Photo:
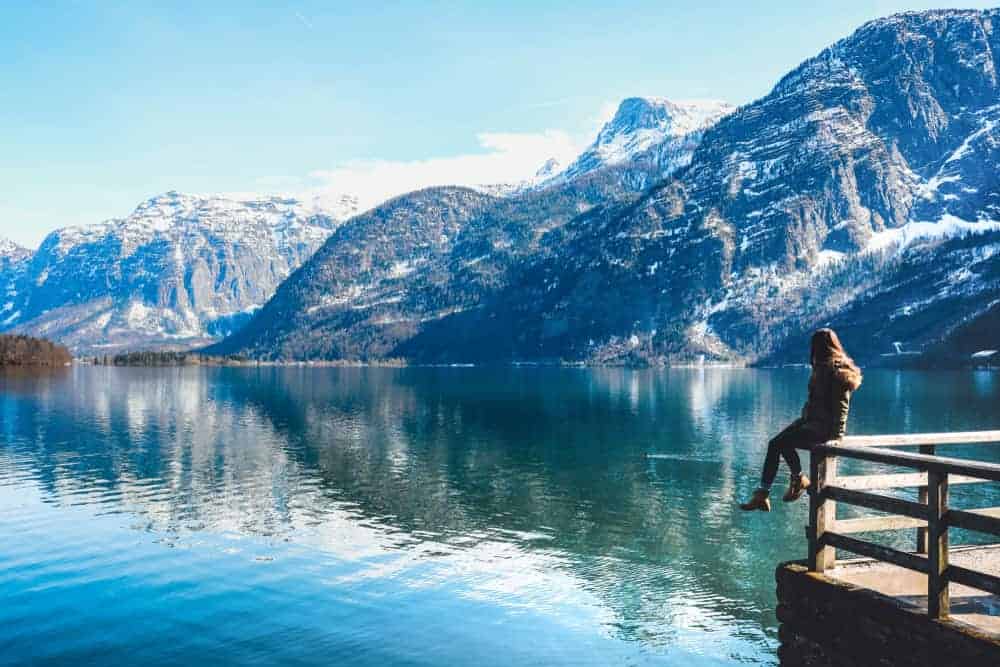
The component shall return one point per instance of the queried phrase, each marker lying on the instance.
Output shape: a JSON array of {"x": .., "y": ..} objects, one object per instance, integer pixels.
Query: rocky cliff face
[
  {"x": 862, "y": 191},
  {"x": 179, "y": 270}
]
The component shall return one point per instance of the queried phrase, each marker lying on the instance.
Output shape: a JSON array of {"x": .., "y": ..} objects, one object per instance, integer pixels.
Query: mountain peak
[
  {"x": 641, "y": 127},
  {"x": 11, "y": 250},
  {"x": 169, "y": 199},
  {"x": 666, "y": 117},
  {"x": 549, "y": 169}
]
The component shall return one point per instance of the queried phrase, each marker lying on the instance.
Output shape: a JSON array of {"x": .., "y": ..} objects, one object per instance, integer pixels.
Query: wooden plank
[
  {"x": 938, "y": 599},
  {"x": 921, "y": 536},
  {"x": 868, "y": 524},
  {"x": 942, "y": 464},
  {"x": 878, "y": 503},
  {"x": 973, "y": 579},
  {"x": 911, "y": 439},
  {"x": 985, "y": 511},
  {"x": 923, "y": 499},
  {"x": 982, "y": 521},
  {"x": 898, "y": 481},
  {"x": 877, "y": 551},
  {"x": 822, "y": 512}
]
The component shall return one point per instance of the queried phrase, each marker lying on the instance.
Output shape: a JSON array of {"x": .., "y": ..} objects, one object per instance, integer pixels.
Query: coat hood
[{"x": 847, "y": 374}]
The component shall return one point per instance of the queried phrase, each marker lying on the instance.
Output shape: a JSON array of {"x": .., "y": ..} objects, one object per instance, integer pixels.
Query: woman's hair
[{"x": 827, "y": 350}]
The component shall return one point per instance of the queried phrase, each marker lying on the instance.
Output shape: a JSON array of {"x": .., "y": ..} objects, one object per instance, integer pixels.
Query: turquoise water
[{"x": 414, "y": 516}]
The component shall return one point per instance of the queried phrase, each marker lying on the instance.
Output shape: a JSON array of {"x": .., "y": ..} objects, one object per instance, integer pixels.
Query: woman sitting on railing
[{"x": 824, "y": 417}]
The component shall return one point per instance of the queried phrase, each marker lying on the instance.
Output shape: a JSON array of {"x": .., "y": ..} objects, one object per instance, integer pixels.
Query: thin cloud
[{"x": 507, "y": 157}]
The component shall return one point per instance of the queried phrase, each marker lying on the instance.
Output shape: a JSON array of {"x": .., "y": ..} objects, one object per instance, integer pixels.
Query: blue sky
[{"x": 106, "y": 104}]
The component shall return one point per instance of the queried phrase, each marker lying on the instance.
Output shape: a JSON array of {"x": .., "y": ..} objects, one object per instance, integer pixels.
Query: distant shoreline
[{"x": 197, "y": 360}]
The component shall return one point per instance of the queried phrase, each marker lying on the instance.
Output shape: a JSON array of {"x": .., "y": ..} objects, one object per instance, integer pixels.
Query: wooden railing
[{"x": 930, "y": 514}]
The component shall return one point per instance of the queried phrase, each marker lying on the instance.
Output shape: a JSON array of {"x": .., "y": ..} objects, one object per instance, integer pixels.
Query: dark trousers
[{"x": 796, "y": 434}]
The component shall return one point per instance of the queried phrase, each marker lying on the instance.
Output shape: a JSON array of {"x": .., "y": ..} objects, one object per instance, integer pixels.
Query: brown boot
[
  {"x": 758, "y": 501},
  {"x": 796, "y": 487}
]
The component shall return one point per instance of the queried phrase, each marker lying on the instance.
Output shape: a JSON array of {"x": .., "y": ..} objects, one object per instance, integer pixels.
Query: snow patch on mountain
[{"x": 948, "y": 227}]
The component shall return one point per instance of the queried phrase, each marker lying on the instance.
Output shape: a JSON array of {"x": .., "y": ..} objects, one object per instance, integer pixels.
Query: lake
[{"x": 411, "y": 516}]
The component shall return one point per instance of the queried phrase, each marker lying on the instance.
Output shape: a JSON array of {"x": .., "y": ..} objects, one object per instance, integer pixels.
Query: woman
[{"x": 824, "y": 417}]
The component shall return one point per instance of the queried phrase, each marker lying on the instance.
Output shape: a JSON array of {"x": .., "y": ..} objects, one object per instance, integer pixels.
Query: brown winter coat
[{"x": 825, "y": 411}]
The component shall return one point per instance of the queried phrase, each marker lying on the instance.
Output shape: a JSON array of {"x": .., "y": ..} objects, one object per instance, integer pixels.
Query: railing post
[
  {"x": 938, "y": 600},
  {"x": 922, "y": 498},
  {"x": 822, "y": 512}
]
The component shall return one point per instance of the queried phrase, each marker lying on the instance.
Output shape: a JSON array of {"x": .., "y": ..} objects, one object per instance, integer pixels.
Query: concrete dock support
[{"x": 825, "y": 622}]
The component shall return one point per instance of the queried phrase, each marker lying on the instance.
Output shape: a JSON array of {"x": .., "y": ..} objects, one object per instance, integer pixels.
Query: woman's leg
[
  {"x": 783, "y": 445},
  {"x": 791, "y": 453}
]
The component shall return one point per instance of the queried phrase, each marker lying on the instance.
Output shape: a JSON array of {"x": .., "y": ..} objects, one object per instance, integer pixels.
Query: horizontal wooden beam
[
  {"x": 973, "y": 579},
  {"x": 908, "y": 439},
  {"x": 878, "y": 503},
  {"x": 982, "y": 520},
  {"x": 869, "y": 524},
  {"x": 897, "y": 481},
  {"x": 876, "y": 551},
  {"x": 943, "y": 464}
]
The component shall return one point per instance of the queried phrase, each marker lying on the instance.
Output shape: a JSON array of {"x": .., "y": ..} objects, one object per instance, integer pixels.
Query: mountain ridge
[{"x": 110, "y": 317}]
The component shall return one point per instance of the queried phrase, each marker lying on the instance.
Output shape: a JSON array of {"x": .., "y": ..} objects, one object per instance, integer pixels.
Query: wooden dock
[{"x": 935, "y": 604}]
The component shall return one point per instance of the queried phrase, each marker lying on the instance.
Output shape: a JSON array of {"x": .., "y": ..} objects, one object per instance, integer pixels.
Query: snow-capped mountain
[
  {"x": 651, "y": 130},
  {"x": 179, "y": 269},
  {"x": 863, "y": 190}
]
